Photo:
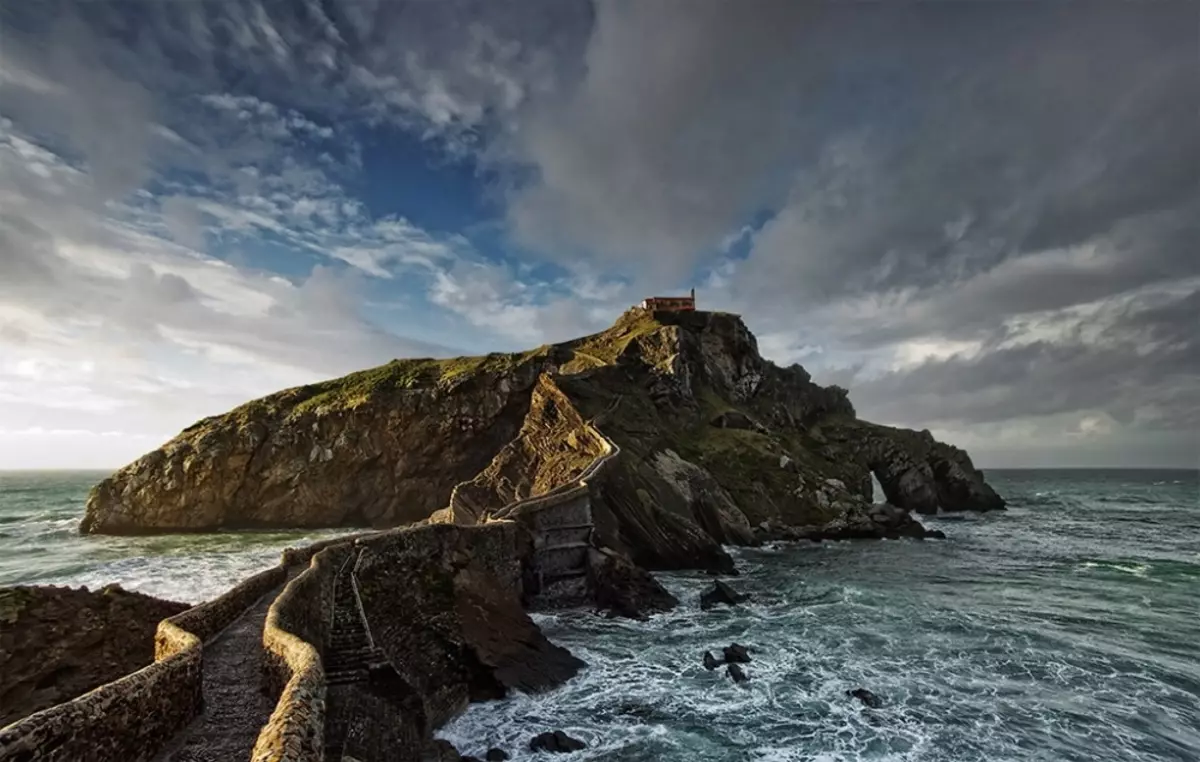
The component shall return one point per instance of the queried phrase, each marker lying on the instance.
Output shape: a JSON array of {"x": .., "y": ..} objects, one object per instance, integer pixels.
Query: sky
[{"x": 983, "y": 218}]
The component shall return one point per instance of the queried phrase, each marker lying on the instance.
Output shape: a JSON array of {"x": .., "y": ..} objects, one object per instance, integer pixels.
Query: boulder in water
[
  {"x": 496, "y": 755},
  {"x": 710, "y": 661},
  {"x": 867, "y": 697},
  {"x": 735, "y": 671},
  {"x": 622, "y": 588},
  {"x": 557, "y": 742},
  {"x": 737, "y": 653},
  {"x": 721, "y": 593}
]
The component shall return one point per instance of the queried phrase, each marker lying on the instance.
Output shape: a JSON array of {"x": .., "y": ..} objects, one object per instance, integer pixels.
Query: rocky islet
[{"x": 716, "y": 446}]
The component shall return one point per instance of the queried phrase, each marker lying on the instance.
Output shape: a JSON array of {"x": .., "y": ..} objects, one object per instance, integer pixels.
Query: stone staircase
[{"x": 349, "y": 655}]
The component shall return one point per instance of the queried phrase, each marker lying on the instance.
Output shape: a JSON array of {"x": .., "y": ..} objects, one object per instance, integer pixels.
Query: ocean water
[
  {"x": 1067, "y": 628},
  {"x": 40, "y": 544}
]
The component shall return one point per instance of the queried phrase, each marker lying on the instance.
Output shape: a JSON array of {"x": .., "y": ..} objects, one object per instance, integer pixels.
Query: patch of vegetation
[
  {"x": 605, "y": 347},
  {"x": 353, "y": 390}
]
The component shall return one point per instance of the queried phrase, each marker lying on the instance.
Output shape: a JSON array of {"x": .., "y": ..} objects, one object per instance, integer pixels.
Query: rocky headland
[
  {"x": 545, "y": 479},
  {"x": 718, "y": 446}
]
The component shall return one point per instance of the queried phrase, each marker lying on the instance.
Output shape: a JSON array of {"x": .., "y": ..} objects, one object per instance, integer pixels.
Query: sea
[{"x": 1065, "y": 628}]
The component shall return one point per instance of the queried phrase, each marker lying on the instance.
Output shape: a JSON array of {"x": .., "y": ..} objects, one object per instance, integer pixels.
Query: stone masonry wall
[
  {"x": 293, "y": 637},
  {"x": 207, "y": 619},
  {"x": 131, "y": 719}
]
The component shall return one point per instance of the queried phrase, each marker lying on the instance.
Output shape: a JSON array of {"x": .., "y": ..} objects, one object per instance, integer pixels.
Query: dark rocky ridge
[
  {"x": 716, "y": 442},
  {"x": 57, "y": 643}
]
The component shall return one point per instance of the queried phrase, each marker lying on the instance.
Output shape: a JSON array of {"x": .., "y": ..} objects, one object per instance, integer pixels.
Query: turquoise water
[
  {"x": 1067, "y": 628},
  {"x": 40, "y": 544}
]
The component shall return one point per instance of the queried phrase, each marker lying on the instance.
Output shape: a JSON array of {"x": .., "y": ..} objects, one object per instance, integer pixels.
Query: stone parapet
[
  {"x": 129, "y": 719},
  {"x": 206, "y": 620},
  {"x": 133, "y": 718},
  {"x": 296, "y": 628}
]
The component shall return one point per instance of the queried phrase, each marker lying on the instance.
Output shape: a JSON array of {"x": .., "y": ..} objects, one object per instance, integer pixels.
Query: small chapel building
[{"x": 670, "y": 303}]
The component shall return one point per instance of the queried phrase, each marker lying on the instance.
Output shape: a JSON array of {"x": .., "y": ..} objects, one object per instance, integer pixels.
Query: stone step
[
  {"x": 564, "y": 574},
  {"x": 346, "y": 678}
]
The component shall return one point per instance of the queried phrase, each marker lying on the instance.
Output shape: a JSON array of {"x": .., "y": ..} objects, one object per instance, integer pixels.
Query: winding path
[{"x": 235, "y": 706}]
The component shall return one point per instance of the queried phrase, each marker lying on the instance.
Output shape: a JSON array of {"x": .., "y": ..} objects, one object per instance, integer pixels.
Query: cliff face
[
  {"x": 715, "y": 441},
  {"x": 377, "y": 448}
]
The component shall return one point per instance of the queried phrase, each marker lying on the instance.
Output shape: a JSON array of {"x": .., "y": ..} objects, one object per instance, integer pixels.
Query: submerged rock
[
  {"x": 721, "y": 593},
  {"x": 737, "y": 654},
  {"x": 495, "y": 755},
  {"x": 866, "y": 697},
  {"x": 441, "y": 750},
  {"x": 557, "y": 742},
  {"x": 735, "y": 672}
]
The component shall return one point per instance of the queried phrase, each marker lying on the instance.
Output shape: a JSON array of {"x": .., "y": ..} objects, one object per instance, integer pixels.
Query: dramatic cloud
[{"x": 983, "y": 218}]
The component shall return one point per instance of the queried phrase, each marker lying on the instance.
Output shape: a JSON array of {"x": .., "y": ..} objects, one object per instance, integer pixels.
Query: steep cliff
[
  {"x": 715, "y": 443},
  {"x": 376, "y": 448}
]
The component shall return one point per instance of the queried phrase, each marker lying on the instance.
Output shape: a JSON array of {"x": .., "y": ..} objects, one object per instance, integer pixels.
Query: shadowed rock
[
  {"x": 624, "y": 589},
  {"x": 735, "y": 671},
  {"x": 866, "y": 697},
  {"x": 737, "y": 654},
  {"x": 556, "y": 742},
  {"x": 57, "y": 643},
  {"x": 721, "y": 593},
  {"x": 710, "y": 661}
]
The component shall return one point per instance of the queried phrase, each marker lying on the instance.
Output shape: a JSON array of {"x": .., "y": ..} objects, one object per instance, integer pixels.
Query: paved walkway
[{"x": 235, "y": 706}]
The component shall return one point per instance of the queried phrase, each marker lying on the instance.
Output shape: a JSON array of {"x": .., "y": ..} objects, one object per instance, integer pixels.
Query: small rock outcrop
[
  {"x": 624, "y": 589},
  {"x": 868, "y": 698},
  {"x": 57, "y": 643},
  {"x": 736, "y": 673},
  {"x": 710, "y": 662},
  {"x": 737, "y": 654},
  {"x": 721, "y": 593},
  {"x": 556, "y": 742}
]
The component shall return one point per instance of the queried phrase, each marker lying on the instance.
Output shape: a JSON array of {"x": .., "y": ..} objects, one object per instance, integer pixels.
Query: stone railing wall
[
  {"x": 132, "y": 718},
  {"x": 206, "y": 620},
  {"x": 128, "y": 719},
  {"x": 463, "y": 510},
  {"x": 296, "y": 628}
]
